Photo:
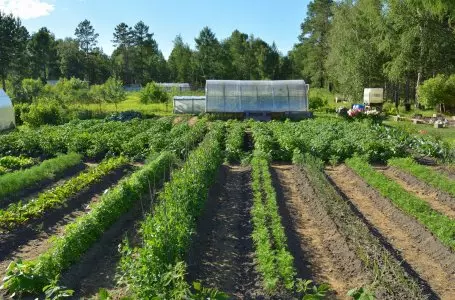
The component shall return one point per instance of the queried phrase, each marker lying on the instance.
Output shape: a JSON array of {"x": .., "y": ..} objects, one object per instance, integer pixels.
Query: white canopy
[{"x": 6, "y": 112}]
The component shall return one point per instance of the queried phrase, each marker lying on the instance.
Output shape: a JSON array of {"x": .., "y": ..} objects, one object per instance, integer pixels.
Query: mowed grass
[
  {"x": 446, "y": 134},
  {"x": 133, "y": 102}
]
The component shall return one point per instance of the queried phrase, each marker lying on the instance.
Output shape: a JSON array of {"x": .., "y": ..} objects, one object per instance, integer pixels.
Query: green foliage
[
  {"x": 438, "y": 91},
  {"x": 440, "y": 225},
  {"x": 361, "y": 294},
  {"x": 156, "y": 269},
  {"x": 275, "y": 263},
  {"x": 426, "y": 174},
  {"x": 336, "y": 139},
  {"x": 153, "y": 93},
  {"x": 32, "y": 276},
  {"x": 113, "y": 91},
  {"x": 71, "y": 90},
  {"x": 44, "y": 112},
  {"x": 31, "y": 89},
  {"x": 18, "y": 213},
  {"x": 14, "y": 163},
  {"x": 234, "y": 141},
  {"x": 16, "y": 181}
]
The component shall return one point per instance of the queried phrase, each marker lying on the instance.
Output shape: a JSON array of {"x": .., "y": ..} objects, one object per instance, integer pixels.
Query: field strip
[
  {"x": 434, "y": 262},
  {"x": 320, "y": 251},
  {"x": 28, "y": 242},
  {"x": 449, "y": 171},
  {"x": 222, "y": 253},
  {"x": 438, "y": 200}
]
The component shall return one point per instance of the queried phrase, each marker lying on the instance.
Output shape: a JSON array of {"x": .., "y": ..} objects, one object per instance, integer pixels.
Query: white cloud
[{"x": 26, "y": 9}]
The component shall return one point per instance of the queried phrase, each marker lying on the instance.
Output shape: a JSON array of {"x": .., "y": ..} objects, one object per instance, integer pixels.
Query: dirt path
[
  {"x": 222, "y": 252},
  {"x": 319, "y": 250},
  {"x": 439, "y": 201},
  {"x": 419, "y": 248},
  {"x": 28, "y": 242}
]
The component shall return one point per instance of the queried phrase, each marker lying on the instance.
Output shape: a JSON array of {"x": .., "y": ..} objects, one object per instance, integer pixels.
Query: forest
[{"x": 344, "y": 46}]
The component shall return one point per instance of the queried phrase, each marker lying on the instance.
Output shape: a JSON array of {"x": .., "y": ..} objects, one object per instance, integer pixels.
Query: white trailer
[{"x": 373, "y": 97}]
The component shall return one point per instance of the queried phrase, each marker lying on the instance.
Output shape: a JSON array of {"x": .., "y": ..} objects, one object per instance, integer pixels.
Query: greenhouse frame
[
  {"x": 189, "y": 104},
  {"x": 243, "y": 96}
]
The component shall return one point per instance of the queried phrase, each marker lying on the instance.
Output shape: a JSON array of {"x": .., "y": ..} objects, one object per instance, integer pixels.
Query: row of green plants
[
  {"x": 334, "y": 140},
  {"x": 275, "y": 263},
  {"x": 439, "y": 224},
  {"x": 156, "y": 270},
  {"x": 91, "y": 138},
  {"x": 436, "y": 179},
  {"x": 234, "y": 140},
  {"x": 265, "y": 142},
  {"x": 17, "y": 181},
  {"x": 186, "y": 136},
  {"x": 19, "y": 213},
  {"x": 23, "y": 277},
  {"x": 13, "y": 163},
  {"x": 388, "y": 278}
]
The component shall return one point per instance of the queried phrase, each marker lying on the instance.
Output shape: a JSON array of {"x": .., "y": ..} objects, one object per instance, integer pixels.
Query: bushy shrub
[
  {"x": 317, "y": 102},
  {"x": 113, "y": 91},
  {"x": 71, "y": 90},
  {"x": 45, "y": 111},
  {"x": 20, "y": 110},
  {"x": 153, "y": 93},
  {"x": 389, "y": 108},
  {"x": 438, "y": 92}
]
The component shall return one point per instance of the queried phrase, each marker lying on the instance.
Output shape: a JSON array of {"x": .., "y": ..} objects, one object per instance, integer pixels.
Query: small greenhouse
[
  {"x": 242, "y": 96},
  {"x": 189, "y": 104},
  {"x": 6, "y": 112},
  {"x": 182, "y": 87}
]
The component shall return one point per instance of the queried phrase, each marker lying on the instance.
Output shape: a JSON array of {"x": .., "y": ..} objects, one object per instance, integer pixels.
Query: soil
[
  {"x": 192, "y": 121},
  {"x": 320, "y": 251},
  {"x": 29, "y": 241},
  {"x": 426, "y": 255},
  {"x": 439, "y": 201},
  {"x": 222, "y": 252},
  {"x": 32, "y": 191},
  {"x": 448, "y": 170}
]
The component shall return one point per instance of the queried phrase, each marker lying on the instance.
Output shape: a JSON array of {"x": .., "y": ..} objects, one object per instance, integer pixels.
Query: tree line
[{"x": 344, "y": 46}]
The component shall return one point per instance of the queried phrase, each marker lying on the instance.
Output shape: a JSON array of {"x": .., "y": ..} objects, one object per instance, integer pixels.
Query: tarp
[{"x": 7, "y": 118}]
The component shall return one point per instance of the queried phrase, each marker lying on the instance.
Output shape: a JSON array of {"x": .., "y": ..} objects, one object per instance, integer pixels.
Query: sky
[{"x": 272, "y": 21}]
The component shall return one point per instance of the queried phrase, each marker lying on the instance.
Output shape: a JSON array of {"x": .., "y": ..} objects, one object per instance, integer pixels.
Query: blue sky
[{"x": 277, "y": 21}]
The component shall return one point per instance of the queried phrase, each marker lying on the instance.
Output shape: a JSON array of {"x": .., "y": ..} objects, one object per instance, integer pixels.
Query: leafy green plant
[
  {"x": 234, "y": 141},
  {"x": 275, "y": 263},
  {"x": 310, "y": 291},
  {"x": 14, "y": 182},
  {"x": 156, "y": 269},
  {"x": 15, "y": 163},
  {"x": 361, "y": 294},
  {"x": 153, "y": 93}
]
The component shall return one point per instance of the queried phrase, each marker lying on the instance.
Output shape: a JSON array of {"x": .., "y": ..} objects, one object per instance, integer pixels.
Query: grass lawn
[
  {"x": 446, "y": 134},
  {"x": 132, "y": 102}
]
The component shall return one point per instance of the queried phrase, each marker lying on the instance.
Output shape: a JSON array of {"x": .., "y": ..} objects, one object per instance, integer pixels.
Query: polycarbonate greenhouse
[
  {"x": 189, "y": 104},
  {"x": 237, "y": 96}
]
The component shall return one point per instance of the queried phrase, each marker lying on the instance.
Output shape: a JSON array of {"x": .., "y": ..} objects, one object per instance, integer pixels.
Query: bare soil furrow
[
  {"x": 320, "y": 251},
  {"x": 419, "y": 248},
  {"x": 439, "y": 201},
  {"x": 222, "y": 255}
]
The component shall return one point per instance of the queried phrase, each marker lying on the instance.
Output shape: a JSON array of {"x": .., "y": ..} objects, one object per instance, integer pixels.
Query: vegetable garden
[{"x": 173, "y": 208}]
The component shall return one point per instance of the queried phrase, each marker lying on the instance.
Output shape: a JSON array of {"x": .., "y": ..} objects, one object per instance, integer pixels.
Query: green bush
[
  {"x": 153, "y": 93},
  {"x": 438, "y": 92},
  {"x": 389, "y": 108},
  {"x": 31, "y": 89},
  {"x": 317, "y": 102},
  {"x": 46, "y": 111}
]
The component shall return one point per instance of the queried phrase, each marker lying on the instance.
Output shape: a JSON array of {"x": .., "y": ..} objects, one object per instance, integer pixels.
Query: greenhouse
[
  {"x": 234, "y": 96},
  {"x": 6, "y": 112},
  {"x": 189, "y": 104},
  {"x": 182, "y": 87}
]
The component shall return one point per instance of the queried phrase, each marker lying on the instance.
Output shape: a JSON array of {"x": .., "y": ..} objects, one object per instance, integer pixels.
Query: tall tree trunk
[{"x": 419, "y": 78}]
